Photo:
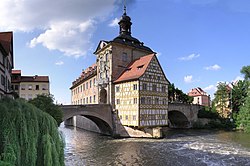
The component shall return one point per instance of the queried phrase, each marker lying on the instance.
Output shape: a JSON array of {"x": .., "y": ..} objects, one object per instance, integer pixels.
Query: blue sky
[{"x": 199, "y": 42}]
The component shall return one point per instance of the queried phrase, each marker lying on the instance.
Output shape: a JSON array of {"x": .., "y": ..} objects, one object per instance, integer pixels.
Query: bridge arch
[
  {"x": 177, "y": 119},
  {"x": 99, "y": 114}
]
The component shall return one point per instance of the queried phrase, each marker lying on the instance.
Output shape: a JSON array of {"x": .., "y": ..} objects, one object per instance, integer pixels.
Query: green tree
[
  {"x": 171, "y": 93},
  {"x": 221, "y": 100},
  {"x": 243, "y": 118},
  {"x": 239, "y": 93},
  {"x": 246, "y": 72},
  {"x": 46, "y": 104},
  {"x": 28, "y": 136},
  {"x": 175, "y": 94}
]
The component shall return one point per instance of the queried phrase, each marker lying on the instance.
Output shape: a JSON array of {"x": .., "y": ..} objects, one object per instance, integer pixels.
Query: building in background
[
  {"x": 6, "y": 62},
  {"x": 28, "y": 87},
  {"x": 84, "y": 89},
  {"x": 200, "y": 97}
]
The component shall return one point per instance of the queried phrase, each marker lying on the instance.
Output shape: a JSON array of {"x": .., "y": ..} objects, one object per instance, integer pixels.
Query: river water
[{"x": 178, "y": 148}]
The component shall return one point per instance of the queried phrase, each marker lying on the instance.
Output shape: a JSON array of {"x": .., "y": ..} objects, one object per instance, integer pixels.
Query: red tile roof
[
  {"x": 136, "y": 69},
  {"x": 6, "y": 40},
  {"x": 35, "y": 79},
  {"x": 86, "y": 74},
  {"x": 16, "y": 72},
  {"x": 197, "y": 92}
]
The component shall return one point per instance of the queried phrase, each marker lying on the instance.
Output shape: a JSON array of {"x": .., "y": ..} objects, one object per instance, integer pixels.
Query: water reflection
[{"x": 179, "y": 148}]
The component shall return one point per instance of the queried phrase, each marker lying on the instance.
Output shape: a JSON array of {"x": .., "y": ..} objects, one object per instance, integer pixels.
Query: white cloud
[
  {"x": 214, "y": 67},
  {"x": 238, "y": 78},
  {"x": 210, "y": 88},
  {"x": 188, "y": 79},
  {"x": 59, "y": 63},
  {"x": 64, "y": 25},
  {"x": 190, "y": 57},
  {"x": 114, "y": 22}
]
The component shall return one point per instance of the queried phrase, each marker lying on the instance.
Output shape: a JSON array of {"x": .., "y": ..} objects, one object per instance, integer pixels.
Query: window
[
  {"x": 163, "y": 88},
  {"x": 140, "y": 67},
  {"x": 156, "y": 100},
  {"x": 22, "y": 87},
  {"x": 144, "y": 86},
  {"x": 2, "y": 80},
  {"x": 87, "y": 100},
  {"x": 90, "y": 99},
  {"x": 117, "y": 89},
  {"x": 83, "y": 100},
  {"x": 44, "y": 87},
  {"x": 135, "y": 100},
  {"x": 30, "y": 87},
  {"x": 124, "y": 57},
  {"x": 94, "y": 81},
  {"x": 164, "y": 101},
  {"x": 117, "y": 101},
  {"x": 16, "y": 87},
  {"x": 94, "y": 99},
  {"x": 90, "y": 83},
  {"x": 142, "y": 100},
  {"x": 87, "y": 85},
  {"x": 120, "y": 116},
  {"x": 149, "y": 100},
  {"x": 126, "y": 117},
  {"x": 134, "y": 117},
  {"x": 135, "y": 86},
  {"x": 154, "y": 87},
  {"x": 83, "y": 87},
  {"x": 37, "y": 87}
]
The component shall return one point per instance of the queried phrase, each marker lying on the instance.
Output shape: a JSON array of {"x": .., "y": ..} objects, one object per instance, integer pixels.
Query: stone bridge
[
  {"x": 100, "y": 114},
  {"x": 182, "y": 115}
]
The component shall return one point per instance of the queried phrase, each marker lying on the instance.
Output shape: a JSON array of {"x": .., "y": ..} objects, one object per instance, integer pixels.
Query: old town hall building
[{"x": 128, "y": 76}]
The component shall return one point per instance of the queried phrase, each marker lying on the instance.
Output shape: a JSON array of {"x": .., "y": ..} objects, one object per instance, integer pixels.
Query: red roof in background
[
  {"x": 16, "y": 72},
  {"x": 20, "y": 78},
  {"x": 5, "y": 40},
  {"x": 135, "y": 69},
  {"x": 197, "y": 92},
  {"x": 35, "y": 79}
]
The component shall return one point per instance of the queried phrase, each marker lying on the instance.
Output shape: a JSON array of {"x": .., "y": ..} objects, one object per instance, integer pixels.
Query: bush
[
  {"x": 28, "y": 136},
  {"x": 206, "y": 113}
]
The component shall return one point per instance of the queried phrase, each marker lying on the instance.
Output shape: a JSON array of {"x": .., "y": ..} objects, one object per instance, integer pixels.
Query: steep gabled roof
[{"x": 135, "y": 69}]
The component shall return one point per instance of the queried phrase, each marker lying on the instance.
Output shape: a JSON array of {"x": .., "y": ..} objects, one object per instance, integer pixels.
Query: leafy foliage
[
  {"x": 246, "y": 72},
  {"x": 28, "y": 136},
  {"x": 221, "y": 100},
  {"x": 46, "y": 104},
  {"x": 207, "y": 113},
  {"x": 239, "y": 94},
  {"x": 177, "y": 95},
  {"x": 243, "y": 117}
]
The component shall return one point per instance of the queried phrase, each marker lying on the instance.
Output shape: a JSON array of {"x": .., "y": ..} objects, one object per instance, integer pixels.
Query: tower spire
[
  {"x": 124, "y": 8},
  {"x": 125, "y": 22}
]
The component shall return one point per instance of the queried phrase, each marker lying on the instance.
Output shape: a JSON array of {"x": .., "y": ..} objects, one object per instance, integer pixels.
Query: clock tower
[{"x": 114, "y": 56}]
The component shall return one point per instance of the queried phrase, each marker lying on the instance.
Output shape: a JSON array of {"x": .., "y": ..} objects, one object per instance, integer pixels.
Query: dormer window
[{"x": 140, "y": 67}]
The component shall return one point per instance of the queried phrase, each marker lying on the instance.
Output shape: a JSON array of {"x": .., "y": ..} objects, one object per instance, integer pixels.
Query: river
[{"x": 178, "y": 148}]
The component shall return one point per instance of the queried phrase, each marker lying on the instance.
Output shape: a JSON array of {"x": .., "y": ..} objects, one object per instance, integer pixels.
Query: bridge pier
[{"x": 69, "y": 122}]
